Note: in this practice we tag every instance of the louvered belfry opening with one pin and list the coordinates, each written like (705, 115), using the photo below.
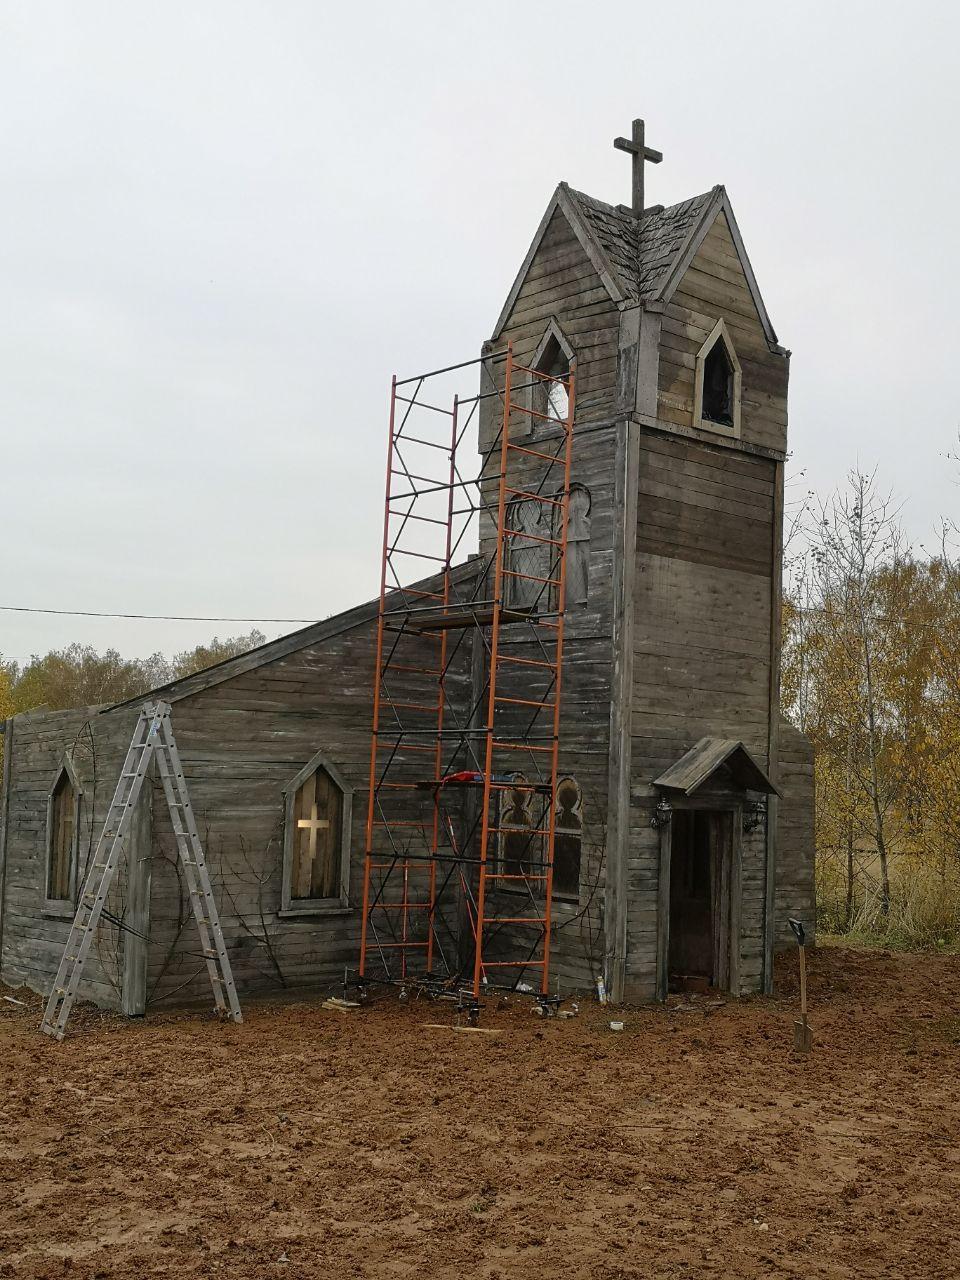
(460, 832)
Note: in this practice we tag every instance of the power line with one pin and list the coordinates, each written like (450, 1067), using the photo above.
(147, 617)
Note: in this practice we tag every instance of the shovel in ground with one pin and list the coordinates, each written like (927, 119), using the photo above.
(802, 1035)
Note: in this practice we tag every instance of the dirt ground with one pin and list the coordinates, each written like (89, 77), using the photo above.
(309, 1142)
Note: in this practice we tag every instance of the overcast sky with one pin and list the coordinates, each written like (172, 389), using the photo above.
(223, 226)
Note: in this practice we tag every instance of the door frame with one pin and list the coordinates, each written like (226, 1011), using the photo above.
(712, 804)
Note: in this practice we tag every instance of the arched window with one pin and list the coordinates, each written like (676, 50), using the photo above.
(63, 836)
(553, 356)
(533, 550)
(717, 385)
(530, 529)
(316, 839)
(518, 848)
(567, 839)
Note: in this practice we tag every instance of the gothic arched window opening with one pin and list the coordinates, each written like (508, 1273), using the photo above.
(63, 836)
(553, 357)
(517, 846)
(717, 384)
(568, 839)
(316, 838)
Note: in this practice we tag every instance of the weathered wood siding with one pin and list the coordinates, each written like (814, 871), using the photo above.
(33, 939)
(702, 650)
(795, 893)
(714, 286)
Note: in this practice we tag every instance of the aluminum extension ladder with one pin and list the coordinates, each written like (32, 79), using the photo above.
(153, 736)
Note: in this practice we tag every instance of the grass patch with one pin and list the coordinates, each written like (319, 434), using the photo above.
(924, 910)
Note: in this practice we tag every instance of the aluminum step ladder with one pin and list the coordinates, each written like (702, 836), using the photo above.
(153, 736)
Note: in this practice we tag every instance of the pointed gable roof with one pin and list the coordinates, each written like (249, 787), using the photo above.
(701, 762)
(639, 261)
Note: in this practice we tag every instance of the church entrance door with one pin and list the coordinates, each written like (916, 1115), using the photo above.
(700, 875)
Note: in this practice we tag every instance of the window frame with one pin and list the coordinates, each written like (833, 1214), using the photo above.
(290, 906)
(63, 907)
(719, 333)
(552, 335)
(564, 895)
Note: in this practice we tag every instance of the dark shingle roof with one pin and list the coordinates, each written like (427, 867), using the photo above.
(642, 253)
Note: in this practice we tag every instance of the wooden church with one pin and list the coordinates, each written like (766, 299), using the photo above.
(682, 823)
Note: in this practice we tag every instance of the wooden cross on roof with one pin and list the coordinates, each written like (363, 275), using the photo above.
(640, 153)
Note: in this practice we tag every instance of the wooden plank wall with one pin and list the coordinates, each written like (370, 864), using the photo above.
(241, 743)
(795, 891)
(702, 622)
(33, 942)
(715, 286)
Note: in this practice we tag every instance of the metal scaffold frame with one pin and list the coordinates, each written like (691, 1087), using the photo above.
(464, 755)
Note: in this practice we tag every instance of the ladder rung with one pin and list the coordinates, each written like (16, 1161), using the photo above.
(540, 920)
(396, 946)
(531, 577)
(411, 706)
(526, 662)
(419, 864)
(547, 457)
(533, 497)
(401, 906)
(533, 537)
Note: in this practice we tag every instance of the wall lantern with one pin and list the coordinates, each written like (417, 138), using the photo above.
(662, 813)
(754, 815)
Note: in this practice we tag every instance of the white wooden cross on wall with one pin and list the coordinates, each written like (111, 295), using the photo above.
(313, 824)
(640, 153)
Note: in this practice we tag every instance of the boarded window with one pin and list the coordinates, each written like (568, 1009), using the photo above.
(317, 838)
(578, 545)
(62, 838)
(567, 839)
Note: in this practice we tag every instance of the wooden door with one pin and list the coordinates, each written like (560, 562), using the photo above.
(700, 880)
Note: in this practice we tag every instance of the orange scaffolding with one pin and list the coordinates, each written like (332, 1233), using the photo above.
(464, 754)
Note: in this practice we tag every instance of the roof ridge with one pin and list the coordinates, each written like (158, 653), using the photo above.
(640, 252)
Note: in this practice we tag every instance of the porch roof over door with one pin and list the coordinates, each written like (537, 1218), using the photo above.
(698, 765)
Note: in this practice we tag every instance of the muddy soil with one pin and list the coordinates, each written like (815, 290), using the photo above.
(309, 1142)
